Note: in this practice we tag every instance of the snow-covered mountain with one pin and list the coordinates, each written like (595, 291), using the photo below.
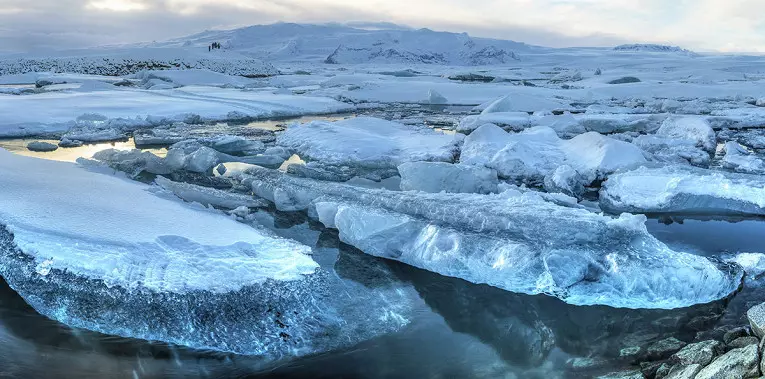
(346, 45)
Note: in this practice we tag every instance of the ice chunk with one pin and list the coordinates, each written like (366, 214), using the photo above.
(133, 162)
(234, 145)
(42, 146)
(103, 253)
(439, 176)
(519, 243)
(503, 104)
(684, 190)
(565, 180)
(738, 158)
(537, 152)
(436, 98)
(671, 150)
(616, 123)
(209, 196)
(66, 142)
(365, 143)
(695, 129)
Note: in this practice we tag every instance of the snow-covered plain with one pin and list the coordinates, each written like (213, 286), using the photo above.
(530, 146)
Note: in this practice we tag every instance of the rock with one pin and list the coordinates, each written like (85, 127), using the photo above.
(735, 364)
(41, 146)
(583, 364)
(221, 169)
(631, 352)
(649, 369)
(743, 342)
(684, 372)
(756, 317)
(623, 375)
(625, 80)
(663, 371)
(664, 349)
(732, 334)
(700, 353)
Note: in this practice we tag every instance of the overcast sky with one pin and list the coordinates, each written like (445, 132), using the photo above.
(704, 25)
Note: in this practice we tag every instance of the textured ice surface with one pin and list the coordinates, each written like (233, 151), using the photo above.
(368, 143)
(684, 190)
(738, 158)
(670, 150)
(537, 152)
(694, 129)
(209, 196)
(519, 243)
(99, 252)
(439, 176)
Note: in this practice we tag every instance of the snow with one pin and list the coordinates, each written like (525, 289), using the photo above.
(440, 176)
(52, 219)
(367, 143)
(517, 242)
(684, 190)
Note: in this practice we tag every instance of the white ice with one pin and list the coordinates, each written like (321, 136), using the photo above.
(684, 190)
(104, 227)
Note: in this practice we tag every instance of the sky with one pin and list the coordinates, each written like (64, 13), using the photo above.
(701, 25)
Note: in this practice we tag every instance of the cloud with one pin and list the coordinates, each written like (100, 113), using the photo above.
(697, 24)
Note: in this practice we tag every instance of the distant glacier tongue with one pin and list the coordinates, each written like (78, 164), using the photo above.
(519, 243)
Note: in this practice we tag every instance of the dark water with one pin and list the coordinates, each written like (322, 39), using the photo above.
(459, 329)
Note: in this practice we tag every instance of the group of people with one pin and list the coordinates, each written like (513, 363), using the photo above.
(214, 45)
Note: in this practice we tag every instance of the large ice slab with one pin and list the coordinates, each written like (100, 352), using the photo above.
(104, 253)
(366, 143)
(684, 190)
(517, 242)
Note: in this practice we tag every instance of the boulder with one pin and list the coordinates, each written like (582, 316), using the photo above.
(684, 372)
(700, 353)
(743, 342)
(756, 316)
(736, 364)
(664, 349)
(41, 146)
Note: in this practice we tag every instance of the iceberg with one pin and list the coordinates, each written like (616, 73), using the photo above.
(209, 196)
(684, 190)
(104, 253)
(740, 159)
(516, 242)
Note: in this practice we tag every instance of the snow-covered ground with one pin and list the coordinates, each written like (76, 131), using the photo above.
(525, 168)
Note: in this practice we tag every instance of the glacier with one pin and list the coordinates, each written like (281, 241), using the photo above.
(158, 269)
(516, 242)
(684, 190)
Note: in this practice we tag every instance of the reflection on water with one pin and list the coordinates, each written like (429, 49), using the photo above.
(70, 154)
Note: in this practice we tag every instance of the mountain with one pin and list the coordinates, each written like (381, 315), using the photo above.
(343, 44)
(653, 48)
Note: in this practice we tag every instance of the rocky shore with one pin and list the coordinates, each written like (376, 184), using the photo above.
(735, 353)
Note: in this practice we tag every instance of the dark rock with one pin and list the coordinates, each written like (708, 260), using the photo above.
(743, 342)
(663, 371)
(701, 353)
(623, 375)
(649, 368)
(625, 80)
(664, 349)
(732, 334)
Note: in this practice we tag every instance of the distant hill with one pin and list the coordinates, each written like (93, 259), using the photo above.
(342, 44)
